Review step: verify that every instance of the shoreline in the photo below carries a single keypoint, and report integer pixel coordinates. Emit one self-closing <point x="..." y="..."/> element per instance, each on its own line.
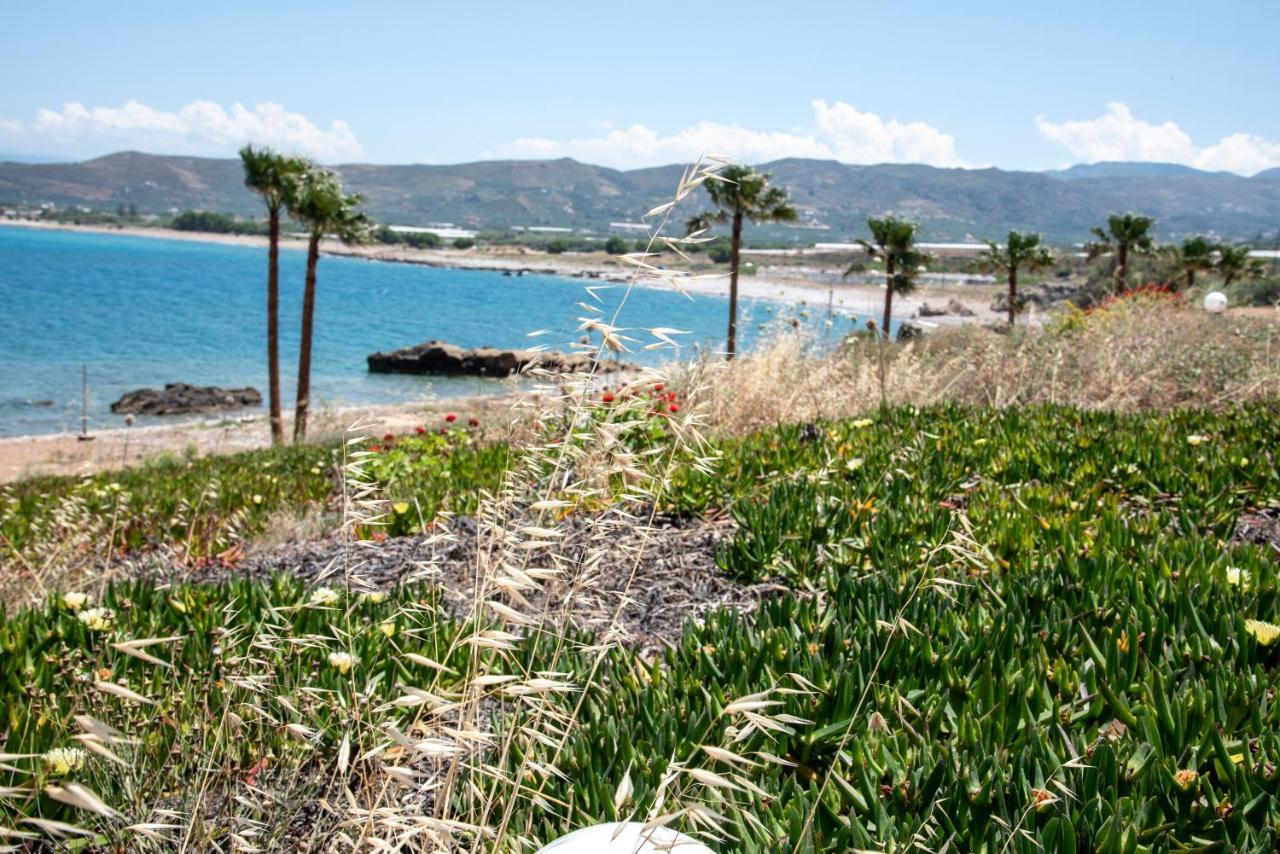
<point x="847" y="297"/>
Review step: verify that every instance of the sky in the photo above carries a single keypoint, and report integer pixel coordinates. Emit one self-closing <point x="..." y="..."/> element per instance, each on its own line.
<point x="1011" y="85"/>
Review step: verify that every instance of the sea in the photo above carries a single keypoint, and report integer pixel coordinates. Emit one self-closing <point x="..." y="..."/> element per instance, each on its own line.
<point x="134" y="312"/>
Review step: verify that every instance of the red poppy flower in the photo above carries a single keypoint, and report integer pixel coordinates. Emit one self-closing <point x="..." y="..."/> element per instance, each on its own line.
<point x="390" y="437"/>
<point x="675" y="407"/>
<point x="420" y="429"/>
<point x="375" y="448"/>
<point x="473" y="422"/>
<point x="451" y="418"/>
<point x="658" y="386"/>
<point x="607" y="397"/>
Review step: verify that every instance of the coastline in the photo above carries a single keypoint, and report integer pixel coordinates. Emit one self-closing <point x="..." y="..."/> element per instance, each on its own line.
<point x="796" y="290"/>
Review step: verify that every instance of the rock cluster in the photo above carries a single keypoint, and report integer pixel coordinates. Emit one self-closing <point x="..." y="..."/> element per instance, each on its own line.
<point x="439" y="357"/>
<point x="183" y="399"/>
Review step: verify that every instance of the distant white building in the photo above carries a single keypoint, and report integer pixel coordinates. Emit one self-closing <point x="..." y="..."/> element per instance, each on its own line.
<point x="445" y="231"/>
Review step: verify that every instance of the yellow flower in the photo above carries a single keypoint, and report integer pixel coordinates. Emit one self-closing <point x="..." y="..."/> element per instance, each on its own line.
<point x="401" y="507"/>
<point x="324" y="596"/>
<point x="709" y="649"/>
<point x="1185" y="779"/>
<point x="1244" y="461"/>
<point x="387" y="627"/>
<point x="854" y="464"/>
<point x="97" y="619"/>
<point x="978" y="443"/>
<point x="315" y="470"/>
<point x="373" y="597"/>
<point x="342" y="661"/>
<point x="63" y="760"/>
<point x="862" y="422"/>
<point x="1264" y="633"/>
<point x="1122" y="642"/>
<point x="257" y="499"/>
<point x="75" y="601"/>
<point x="813" y="649"/>
<point x="1196" y="439"/>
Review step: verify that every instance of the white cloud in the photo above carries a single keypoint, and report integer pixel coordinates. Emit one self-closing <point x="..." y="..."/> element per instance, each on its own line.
<point x="201" y="127"/>
<point x="839" y="132"/>
<point x="1118" y="135"/>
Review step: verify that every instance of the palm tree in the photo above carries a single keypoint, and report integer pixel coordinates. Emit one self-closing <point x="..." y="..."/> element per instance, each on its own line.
<point x="271" y="176"/>
<point x="893" y="241"/>
<point x="1234" y="262"/>
<point x="740" y="193"/>
<point x="1020" y="250"/>
<point x="318" y="202"/>
<point x="1125" y="233"/>
<point x="1194" y="255"/>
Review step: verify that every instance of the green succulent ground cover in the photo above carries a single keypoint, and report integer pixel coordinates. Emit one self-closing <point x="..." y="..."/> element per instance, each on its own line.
<point x="1027" y="627"/>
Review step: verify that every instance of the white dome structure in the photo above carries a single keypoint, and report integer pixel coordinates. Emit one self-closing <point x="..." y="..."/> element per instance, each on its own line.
<point x="1215" y="302"/>
<point x="625" y="838"/>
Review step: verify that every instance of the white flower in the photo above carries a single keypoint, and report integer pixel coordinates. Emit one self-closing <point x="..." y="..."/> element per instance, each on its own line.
<point x="342" y="661"/>
<point x="388" y="628"/>
<point x="63" y="760"/>
<point x="1238" y="577"/>
<point x="324" y="596"/>
<point x="75" y="601"/>
<point x="1196" y="439"/>
<point x="373" y="597"/>
<point x="97" y="619"/>
<point x="854" y="464"/>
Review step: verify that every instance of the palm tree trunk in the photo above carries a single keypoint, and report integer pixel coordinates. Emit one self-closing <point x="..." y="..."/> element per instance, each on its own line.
<point x="1191" y="279"/>
<point x="731" y="346"/>
<point x="273" y="327"/>
<point x="1122" y="266"/>
<point x="888" y="296"/>
<point x="1013" y="293"/>
<point x="304" y="347"/>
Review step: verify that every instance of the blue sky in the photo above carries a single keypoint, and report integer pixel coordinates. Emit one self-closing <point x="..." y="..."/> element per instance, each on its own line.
<point x="1015" y="85"/>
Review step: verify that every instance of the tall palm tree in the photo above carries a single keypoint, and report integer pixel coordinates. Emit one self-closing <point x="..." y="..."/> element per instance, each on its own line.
<point x="271" y="176"/>
<point x="318" y="202"/>
<point x="740" y="193"/>
<point x="1124" y="234"/>
<point x="1196" y="254"/>
<point x="893" y="241"/>
<point x="1234" y="262"/>
<point x="1020" y="250"/>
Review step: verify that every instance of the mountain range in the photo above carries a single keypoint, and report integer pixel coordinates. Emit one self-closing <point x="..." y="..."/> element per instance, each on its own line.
<point x="834" y="199"/>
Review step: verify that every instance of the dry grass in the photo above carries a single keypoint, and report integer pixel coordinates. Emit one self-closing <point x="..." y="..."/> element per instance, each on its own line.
<point x="1138" y="354"/>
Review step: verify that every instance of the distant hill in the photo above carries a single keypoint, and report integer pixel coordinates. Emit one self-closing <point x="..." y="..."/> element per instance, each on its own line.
<point x="834" y="198"/>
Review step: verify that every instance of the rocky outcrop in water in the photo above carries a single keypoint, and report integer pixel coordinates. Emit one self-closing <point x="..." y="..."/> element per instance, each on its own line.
<point x="442" y="358"/>
<point x="183" y="399"/>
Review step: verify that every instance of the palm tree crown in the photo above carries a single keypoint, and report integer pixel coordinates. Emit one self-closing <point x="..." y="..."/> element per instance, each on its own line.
<point x="740" y="193"/>
<point x="893" y="241"/>
<point x="1124" y="233"/>
<point x="1020" y="251"/>
<point x="1194" y="255"/>
<point x="1234" y="262"/>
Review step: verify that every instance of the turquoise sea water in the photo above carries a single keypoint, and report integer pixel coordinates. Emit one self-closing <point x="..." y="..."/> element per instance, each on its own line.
<point x="140" y="311"/>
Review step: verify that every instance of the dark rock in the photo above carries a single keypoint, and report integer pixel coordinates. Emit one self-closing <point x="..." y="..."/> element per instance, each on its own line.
<point x="927" y="310"/>
<point x="958" y="308"/>
<point x="439" y="357"/>
<point x="182" y="399"/>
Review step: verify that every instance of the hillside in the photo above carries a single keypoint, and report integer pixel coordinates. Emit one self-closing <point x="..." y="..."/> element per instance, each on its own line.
<point x="834" y="198"/>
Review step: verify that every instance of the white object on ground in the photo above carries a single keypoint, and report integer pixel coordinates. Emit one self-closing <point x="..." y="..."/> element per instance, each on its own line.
<point x="625" y="838"/>
<point x="1215" y="302"/>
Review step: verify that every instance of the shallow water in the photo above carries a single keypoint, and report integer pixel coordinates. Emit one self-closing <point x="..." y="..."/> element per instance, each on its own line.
<point x="140" y="311"/>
